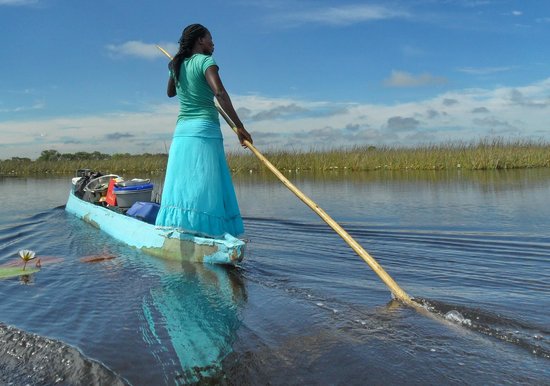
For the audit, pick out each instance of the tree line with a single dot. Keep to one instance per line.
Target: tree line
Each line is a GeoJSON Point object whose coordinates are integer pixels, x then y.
{"type": "Point", "coordinates": [54, 155]}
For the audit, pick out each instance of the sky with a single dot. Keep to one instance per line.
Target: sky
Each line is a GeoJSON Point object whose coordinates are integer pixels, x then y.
{"type": "Point", "coordinates": [303, 75]}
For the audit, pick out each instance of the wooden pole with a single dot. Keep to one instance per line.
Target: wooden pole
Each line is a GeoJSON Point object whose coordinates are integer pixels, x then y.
{"type": "Point", "coordinates": [377, 268]}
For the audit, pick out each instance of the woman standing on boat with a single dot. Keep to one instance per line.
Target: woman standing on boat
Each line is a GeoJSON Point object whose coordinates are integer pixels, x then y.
{"type": "Point", "coordinates": [198, 194]}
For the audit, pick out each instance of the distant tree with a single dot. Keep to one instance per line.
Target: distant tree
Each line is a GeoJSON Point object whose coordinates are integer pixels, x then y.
{"type": "Point", "coordinates": [82, 155]}
{"type": "Point", "coordinates": [49, 155]}
{"type": "Point", "coordinates": [96, 155]}
{"type": "Point", "coordinates": [67, 157]}
{"type": "Point", "coordinates": [121, 155]}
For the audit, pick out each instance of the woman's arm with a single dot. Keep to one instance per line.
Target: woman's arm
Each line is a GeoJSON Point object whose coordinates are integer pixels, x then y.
{"type": "Point", "coordinates": [215, 83]}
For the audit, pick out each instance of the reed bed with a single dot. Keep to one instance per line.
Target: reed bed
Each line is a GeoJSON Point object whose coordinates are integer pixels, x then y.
{"type": "Point", "coordinates": [482, 155]}
{"type": "Point", "coordinates": [491, 154]}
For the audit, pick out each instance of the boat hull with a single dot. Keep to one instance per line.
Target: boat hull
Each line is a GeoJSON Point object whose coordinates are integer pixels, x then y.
{"type": "Point", "coordinates": [165, 243]}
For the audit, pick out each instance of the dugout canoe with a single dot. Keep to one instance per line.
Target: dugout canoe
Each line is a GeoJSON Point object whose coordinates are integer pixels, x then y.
{"type": "Point", "coordinates": [164, 243]}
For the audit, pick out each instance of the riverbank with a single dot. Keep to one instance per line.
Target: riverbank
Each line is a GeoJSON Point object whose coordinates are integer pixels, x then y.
{"type": "Point", "coordinates": [482, 155]}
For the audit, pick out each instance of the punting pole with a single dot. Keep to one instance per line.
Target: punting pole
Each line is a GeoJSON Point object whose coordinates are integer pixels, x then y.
{"type": "Point", "coordinates": [377, 268]}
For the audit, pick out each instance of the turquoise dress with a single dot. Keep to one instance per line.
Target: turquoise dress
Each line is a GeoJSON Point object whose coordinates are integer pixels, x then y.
{"type": "Point", "coordinates": [198, 195]}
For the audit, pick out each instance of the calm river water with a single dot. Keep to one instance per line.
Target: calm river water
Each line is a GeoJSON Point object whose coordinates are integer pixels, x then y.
{"type": "Point", "coordinates": [302, 308]}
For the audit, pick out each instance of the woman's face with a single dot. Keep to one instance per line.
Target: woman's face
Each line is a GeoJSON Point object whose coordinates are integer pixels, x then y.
{"type": "Point", "coordinates": [207, 44]}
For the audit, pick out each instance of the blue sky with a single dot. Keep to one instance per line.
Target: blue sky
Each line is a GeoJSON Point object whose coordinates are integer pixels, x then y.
{"type": "Point", "coordinates": [86, 76]}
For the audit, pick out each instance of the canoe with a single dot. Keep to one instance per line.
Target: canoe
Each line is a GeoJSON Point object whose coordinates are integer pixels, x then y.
{"type": "Point", "coordinates": [169, 244]}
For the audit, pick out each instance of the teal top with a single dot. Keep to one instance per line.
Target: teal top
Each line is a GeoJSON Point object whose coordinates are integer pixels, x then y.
{"type": "Point", "coordinates": [195, 95]}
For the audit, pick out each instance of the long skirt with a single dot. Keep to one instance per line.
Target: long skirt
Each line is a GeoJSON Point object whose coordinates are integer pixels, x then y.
{"type": "Point", "coordinates": [198, 194]}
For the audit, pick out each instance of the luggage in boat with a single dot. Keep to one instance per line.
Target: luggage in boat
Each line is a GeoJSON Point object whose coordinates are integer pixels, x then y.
{"type": "Point", "coordinates": [144, 211]}
{"type": "Point", "coordinates": [110, 198]}
{"type": "Point", "coordinates": [132, 182]}
{"type": "Point", "coordinates": [111, 189]}
{"type": "Point", "coordinates": [96, 189]}
{"type": "Point", "coordinates": [126, 196]}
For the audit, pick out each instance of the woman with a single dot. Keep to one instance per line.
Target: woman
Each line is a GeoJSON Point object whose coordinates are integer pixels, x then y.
{"type": "Point", "coordinates": [198, 194]}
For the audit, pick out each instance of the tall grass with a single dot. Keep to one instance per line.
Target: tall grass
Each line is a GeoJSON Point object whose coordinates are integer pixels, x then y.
{"type": "Point", "coordinates": [482, 155]}
{"type": "Point", "coordinates": [488, 154]}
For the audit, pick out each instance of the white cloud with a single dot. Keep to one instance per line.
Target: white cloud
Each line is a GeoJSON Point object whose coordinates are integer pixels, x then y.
{"type": "Point", "coordinates": [448, 116]}
{"type": "Point", "coordinates": [468, 3]}
{"type": "Point", "coordinates": [402, 123]}
{"type": "Point", "coordinates": [18, 109]}
{"type": "Point", "coordinates": [108, 133]}
{"type": "Point", "coordinates": [140, 49]}
{"type": "Point", "coordinates": [480, 110]}
{"type": "Point", "coordinates": [470, 114]}
{"type": "Point", "coordinates": [18, 2]}
{"type": "Point", "coordinates": [485, 70]}
{"type": "Point", "coordinates": [405, 79]}
{"type": "Point", "coordinates": [342, 15]}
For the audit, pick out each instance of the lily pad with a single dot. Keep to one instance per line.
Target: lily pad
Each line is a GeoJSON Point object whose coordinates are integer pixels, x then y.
{"type": "Point", "coordinates": [6, 272]}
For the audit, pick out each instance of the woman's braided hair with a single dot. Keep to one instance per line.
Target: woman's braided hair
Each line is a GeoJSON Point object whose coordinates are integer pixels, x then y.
{"type": "Point", "coordinates": [188, 38]}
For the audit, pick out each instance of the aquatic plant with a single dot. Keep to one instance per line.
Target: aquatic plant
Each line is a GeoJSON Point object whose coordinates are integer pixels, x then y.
{"type": "Point", "coordinates": [26, 255]}
{"type": "Point", "coordinates": [486, 154]}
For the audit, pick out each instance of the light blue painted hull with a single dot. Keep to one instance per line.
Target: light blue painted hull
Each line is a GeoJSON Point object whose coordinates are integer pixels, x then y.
{"type": "Point", "coordinates": [164, 243]}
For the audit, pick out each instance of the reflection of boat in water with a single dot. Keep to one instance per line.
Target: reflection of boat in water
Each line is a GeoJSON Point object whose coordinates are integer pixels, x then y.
{"type": "Point", "coordinates": [195, 313]}
{"type": "Point", "coordinates": [166, 243]}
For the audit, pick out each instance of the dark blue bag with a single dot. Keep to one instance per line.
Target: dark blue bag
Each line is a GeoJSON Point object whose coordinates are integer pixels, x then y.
{"type": "Point", "coordinates": [144, 211]}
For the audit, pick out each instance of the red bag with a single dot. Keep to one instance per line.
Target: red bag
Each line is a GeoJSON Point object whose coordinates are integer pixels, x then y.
{"type": "Point", "coordinates": [111, 196]}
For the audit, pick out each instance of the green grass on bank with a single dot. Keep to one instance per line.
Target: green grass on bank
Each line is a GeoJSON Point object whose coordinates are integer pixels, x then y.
{"type": "Point", "coordinates": [121, 164]}
{"type": "Point", "coordinates": [482, 155]}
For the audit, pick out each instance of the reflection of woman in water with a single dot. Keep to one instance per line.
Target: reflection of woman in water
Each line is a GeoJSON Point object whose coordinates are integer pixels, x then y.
{"type": "Point", "coordinates": [195, 313]}
{"type": "Point", "coordinates": [198, 194]}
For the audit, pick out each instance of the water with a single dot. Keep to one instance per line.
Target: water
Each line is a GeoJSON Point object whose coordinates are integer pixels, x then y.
{"type": "Point", "coordinates": [303, 308]}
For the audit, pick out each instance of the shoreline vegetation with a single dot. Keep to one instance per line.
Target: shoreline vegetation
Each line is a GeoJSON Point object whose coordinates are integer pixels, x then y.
{"type": "Point", "coordinates": [490, 154]}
